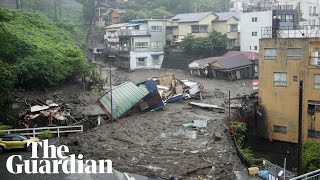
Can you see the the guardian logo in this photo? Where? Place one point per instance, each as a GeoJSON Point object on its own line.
{"type": "Point", "coordinates": [55, 162]}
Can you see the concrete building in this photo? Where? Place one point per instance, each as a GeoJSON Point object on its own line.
{"type": "Point", "coordinates": [309, 9]}
{"type": "Point", "coordinates": [141, 44]}
{"type": "Point", "coordinates": [251, 24]}
{"type": "Point", "coordinates": [228, 23]}
{"type": "Point", "coordinates": [284, 62]}
{"type": "Point", "coordinates": [197, 24]}
{"type": "Point", "coordinates": [112, 34]}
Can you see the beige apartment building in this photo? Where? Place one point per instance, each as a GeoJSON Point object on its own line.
{"type": "Point", "coordinates": [201, 24]}
{"type": "Point", "coordinates": [284, 62]}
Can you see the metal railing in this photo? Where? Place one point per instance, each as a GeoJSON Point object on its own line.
{"type": "Point", "coordinates": [126, 32]}
{"type": "Point", "coordinates": [36, 131]}
{"type": "Point", "coordinates": [314, 175]}
{"type": "Point", "coordinates": [307, 31]}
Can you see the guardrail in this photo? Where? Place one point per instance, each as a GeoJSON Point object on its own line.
{"type": "Point", "coordinates": [314, 175]}
{"type": "Point", "coordinates": [36, 131]}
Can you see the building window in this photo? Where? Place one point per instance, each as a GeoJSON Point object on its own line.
{"type": "Point", "coordinates": [317, 81]}
{"type": "Point", "coordinates": [233, 28]}
{"type": "Point", "coordinates": [255, 47]}
{"type": "Point", "coordinates": [141, 62]}
{"type": "Point", "coordinates": [313, 134]}
{"type": "Point", "coordinates": [169, 30]}
{"type": "Point", "coordinates": [280, 79]}
{"type": "Point", "coordinates": [270, 53]}
{"type": "Point", "coordinates": [232, 43]}
{"type": "Point", "coordinates": [313, 11]}
{"type": "Point", "coordinates": [156, 28]}
{"type": "Point", "coordinates": [294, 53]}
{"type": "Point", "coordinates": [156, 60]}
{"type": "Point", "coordinates": [141, 45]}
{"type": "Point", "coordinates": [295, 79]}
{"type": "Point", "coordinates": [156, 45]}
{"type": "Point", "coordinates": [286, 18]}
{"type": "Point", "coordinates": [315, 58]}
{"type": "Point", "coordinates": [250, 47]}
{"type": "Point", "coordinates": [280, 129]}
{"type": "Point", "coordinates": [199, 29]}
{"type": "Point", "coordinates": [313, 107]}
{"type": "Point", "coordinates": [254, 33]}
{"type": "Point", "coordinates": [255, 19]}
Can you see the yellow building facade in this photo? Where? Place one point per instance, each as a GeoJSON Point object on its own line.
{"type": "Point", "coordinates": [283, 63]}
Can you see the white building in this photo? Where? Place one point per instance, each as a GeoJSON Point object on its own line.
{"type": "Point", "coordinates": [141, 44]}
{"type": "Point", "coordinates": [251, 24]}
{"type": "Point", "coordinates": [309, 9]}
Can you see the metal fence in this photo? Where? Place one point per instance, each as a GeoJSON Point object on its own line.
{"type": "Point", "coordinates": [307, 31]}
{"type": "Point", "coordinates": [36, 131]}
{"type": "Point", "coordinates": [314, 175]}
{"type": "Point", "coordinates": [276, 172]}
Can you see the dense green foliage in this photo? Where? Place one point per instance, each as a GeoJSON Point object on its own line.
{"type": "Point", "coordinates": [214, 45]}
{"type": "Point", "coordinates": [40, 50]}
{"type": "Point", "coordinates": [35, 53]}
{"type": "Point", "coordinates": [151, 7]}
{"type": "Point", "coordinates": [4, 127]}
{"type": "Point", "coordinates": [310, 156]}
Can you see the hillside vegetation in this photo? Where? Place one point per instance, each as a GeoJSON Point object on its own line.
{"type": "Point", "coordinates": [150, 8]}
{"type": "Point", "coordinates": [35, 53]}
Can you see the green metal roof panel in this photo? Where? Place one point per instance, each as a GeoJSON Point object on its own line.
{"type": "Point", "coordinates": [124, 97]}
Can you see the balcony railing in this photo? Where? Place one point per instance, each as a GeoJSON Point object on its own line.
{"type": "Point", "coordinates": [313, 14]}
{"type": "Point", "coordinates": [307, 31]}
{"type": "Point", "coordinates": [127, 32]}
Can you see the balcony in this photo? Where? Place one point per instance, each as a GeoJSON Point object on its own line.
{"type": "Point", "coordinates": [127, 32]}
{"type": "Point", "coordinates": [314, 14]}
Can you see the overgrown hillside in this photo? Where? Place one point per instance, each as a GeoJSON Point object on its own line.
{"type": "Point", "coordinates": [35, 53]}
{"type": "Point", "coordinates": [150, 8]}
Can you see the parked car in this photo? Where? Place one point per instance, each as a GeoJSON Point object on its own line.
{"type": "Point", "coordinates": [16, 141]}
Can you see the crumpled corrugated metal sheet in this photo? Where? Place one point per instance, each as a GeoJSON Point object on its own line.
{"type": "Point", "coordinates": [124, 97]}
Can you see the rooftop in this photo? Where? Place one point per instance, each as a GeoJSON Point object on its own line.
{"type": "Point", "coordinates": [191, 17]}
{"type": "Point", "coordinates": [227, 15]}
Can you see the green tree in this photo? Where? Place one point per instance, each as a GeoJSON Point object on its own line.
{"type": "Point", "coordinates": [161, 11]}
{"type": "Point", "coordinates": [214, 45]}
{"type": "Point", "coordinates": [310, 156]}
{"type": "Point", "coordinates": [131, 15]}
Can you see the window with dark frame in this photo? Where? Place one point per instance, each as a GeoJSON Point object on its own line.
{"type": "Point", "coordinates": [295, 79]}
{"type": "Point", "coordinates": [142, 61]}
{"type": "Point", "coordinates": [280, 79]}
{"type": "Point", "coordinates": [233, 27]}
{"type": "Point", "coordinates": [255, 19]}
{"type": "Point", "coordinates": [313, 107]}
{"type": "Point", "coordinates": [270, 53]}
{"type": "Point", "coordinates": [254, 33]}
{"type": "Point", "coordinates": [280, 129]}
{"type": "Point", "coordinates": [255, 47]}
{"type": "Point", "coordinates": [313, 134]}
{"type": "Point", "coordinates": [294, 53]}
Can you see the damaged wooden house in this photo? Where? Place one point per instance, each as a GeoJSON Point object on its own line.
{"type": "Point", "coordinates": [224, 67]}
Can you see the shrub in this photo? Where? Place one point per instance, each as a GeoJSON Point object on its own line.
{"type": "Point", "coordinates": [46, 134]}
{"type": "Point", "coordinates": [310, 156]}
{"type": "Point", "coordinates": [4, 127]}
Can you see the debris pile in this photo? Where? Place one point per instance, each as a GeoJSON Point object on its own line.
{"type": "Point", "coordinates": [43, 113]}
{"type": "Point", "coordinates": [149, 95]}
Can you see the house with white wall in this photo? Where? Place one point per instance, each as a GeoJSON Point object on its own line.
{"type": "Point", "coordinates": [141, 44]}
{"type": "Point", "coordinates": [251, 24]}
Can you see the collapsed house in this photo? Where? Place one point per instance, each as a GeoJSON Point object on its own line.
{"type": "Point", "coordinates": [224, 67]}
{"type": "Point", "coordinates": [147, 96]}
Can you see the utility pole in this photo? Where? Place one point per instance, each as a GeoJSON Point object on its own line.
{"type": "Point", "coordinates": [17, 4]}
{"type": "Point", "coordinates": [300, 130]}
{"type": "Point", "coordinates": [55, 10]}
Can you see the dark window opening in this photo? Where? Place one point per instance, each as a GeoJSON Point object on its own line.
{"type": "Point", "coordinates": [313, 134]}
{"type": "Point", "coordinates": [313, 107]}
{"type": "Point", "coordinates": [280, 129]}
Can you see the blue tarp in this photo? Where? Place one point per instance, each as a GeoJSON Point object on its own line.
{"type": "Point", "coordinates": [135, 24]}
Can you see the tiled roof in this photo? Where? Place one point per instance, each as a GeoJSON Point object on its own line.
{"type": "Point", "coordinates": [250, 55]}
{"type": "Point", "coordinates": [191, 17]}
{"type": "Point", "coordinates": [227, 15]}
